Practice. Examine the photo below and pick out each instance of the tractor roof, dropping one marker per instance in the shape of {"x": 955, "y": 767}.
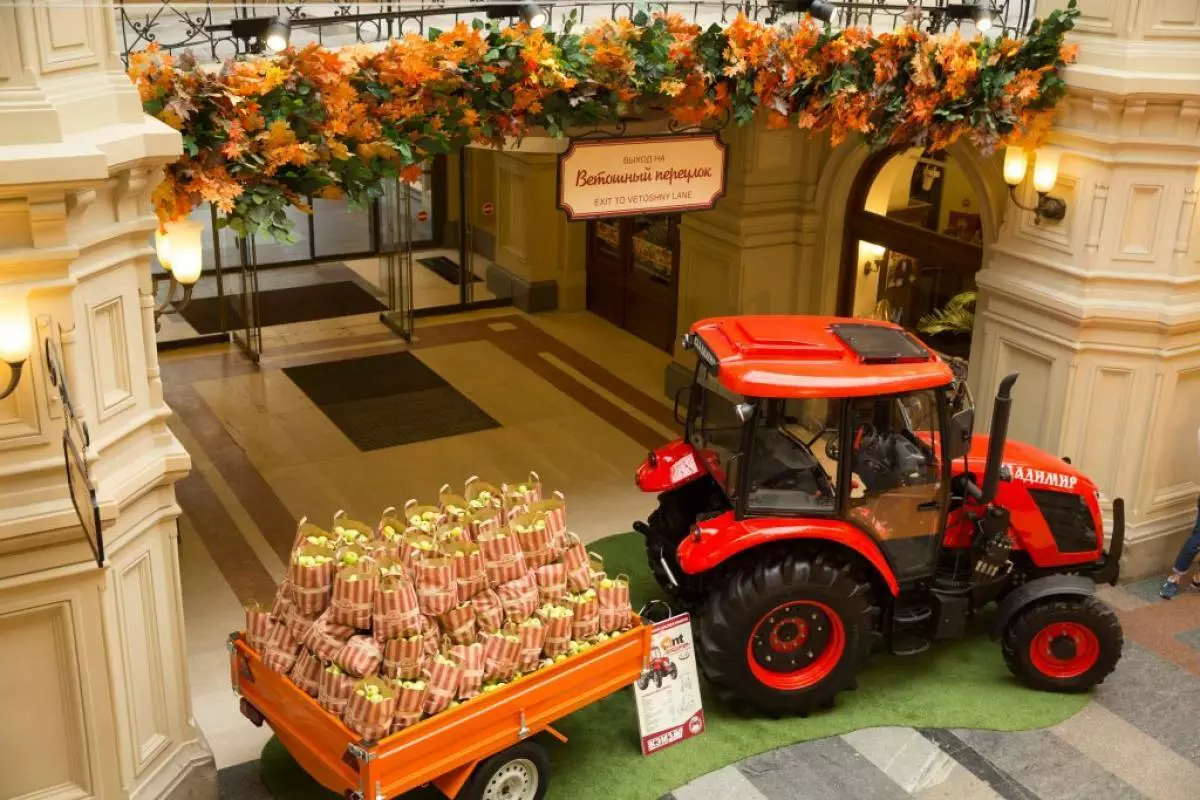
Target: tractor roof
{"x": 795, "y": 356}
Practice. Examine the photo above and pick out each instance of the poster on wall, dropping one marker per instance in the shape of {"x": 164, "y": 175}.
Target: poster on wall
{"x": 668, "y": 691}
{"x": 627, "y": 176}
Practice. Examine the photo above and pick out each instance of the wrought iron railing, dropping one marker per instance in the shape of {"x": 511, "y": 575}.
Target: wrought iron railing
{"x": 178, "y": 26}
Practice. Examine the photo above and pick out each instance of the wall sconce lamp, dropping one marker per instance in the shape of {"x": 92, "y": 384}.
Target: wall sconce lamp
{"x": 1045, "y": 177}
{"x": 178, "y": 246}
{"x": 16, "y": 336}
{"x": 870, "y": 255}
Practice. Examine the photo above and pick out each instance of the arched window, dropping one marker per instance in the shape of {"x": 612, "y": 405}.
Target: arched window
{"x": 914, "y": 242}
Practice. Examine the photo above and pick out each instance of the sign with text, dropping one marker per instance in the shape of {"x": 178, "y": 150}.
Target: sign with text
{"x": 668, "y": 691}
{"x": 641, "y": 175}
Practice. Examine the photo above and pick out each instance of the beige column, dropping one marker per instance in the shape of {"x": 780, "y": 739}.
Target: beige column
{"x": 753, "y": 253}
{"x": 95, "y": 696}
{"x": 1100, "y": 313}
{"x": 539, "y": 255}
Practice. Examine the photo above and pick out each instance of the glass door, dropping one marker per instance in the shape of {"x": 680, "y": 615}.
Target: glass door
{"x": 397, "y": 222}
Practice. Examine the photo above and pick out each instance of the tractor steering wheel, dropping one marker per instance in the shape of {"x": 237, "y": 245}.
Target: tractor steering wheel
{"x": 864, "y": 434}
{"x": 833, "y": 450}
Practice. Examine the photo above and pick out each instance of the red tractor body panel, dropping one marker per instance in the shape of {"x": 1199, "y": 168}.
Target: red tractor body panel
{"x": 668, "y": 467}
{"x": 798, "y": 357}
{"x": 720, "y": 538}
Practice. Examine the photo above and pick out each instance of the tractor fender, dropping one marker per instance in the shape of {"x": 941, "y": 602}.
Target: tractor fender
{"x": 716, "y": 540}
{"x": 1039, "y": 589}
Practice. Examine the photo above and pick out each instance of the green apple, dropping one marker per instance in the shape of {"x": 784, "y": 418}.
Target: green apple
{"x": 389, "y": 531}
{"x": 540, "y": 525}
{"x": 415, "y": 519}
{"x": 607, "y": 583}
{"x": 484, "y": 495}
{"x": 350, "y": 558}
{"x": 428, "y": 515}
{"x": 334, "y": 669}
{"x": 361, "y": 693}
{"x": 561, "y": 657}
{"x": 339, "y": 530}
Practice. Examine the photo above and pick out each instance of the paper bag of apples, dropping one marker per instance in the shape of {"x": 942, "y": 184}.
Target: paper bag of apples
{"x": 390, "y": 623}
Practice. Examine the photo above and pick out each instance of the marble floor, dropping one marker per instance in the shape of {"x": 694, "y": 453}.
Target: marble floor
{"x": 580, "y": 402}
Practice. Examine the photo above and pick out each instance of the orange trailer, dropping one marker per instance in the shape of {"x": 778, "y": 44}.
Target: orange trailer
{"x": 480, "y": 748}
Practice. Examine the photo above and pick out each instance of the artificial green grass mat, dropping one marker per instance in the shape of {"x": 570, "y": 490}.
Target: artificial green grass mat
{"x": 956, "y": 684}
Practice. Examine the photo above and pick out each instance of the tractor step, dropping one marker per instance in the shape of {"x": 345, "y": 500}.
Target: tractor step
{"x": 908, "y": 644}
{"x": 911, "y": 615}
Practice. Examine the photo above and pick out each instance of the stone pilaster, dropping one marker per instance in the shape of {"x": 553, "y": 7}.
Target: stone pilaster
{"x": 1100, "y": 313}
{"x": 95, "y": 700}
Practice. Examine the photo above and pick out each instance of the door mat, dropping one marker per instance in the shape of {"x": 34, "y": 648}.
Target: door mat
{"x": 957, "y": 684}
{"x": 388, "y": 400}
{"x": 445, "y": 269}
{"x": 285, "y": 306}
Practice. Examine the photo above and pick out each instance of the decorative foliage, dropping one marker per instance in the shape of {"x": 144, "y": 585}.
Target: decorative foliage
{"x": 956, "y": 317}
{"x": 263, "y": 134}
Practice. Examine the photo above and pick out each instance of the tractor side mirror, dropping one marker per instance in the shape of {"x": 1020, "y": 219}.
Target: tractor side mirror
{"x": 678, "y": 394}
{"x": 962, "y": 425}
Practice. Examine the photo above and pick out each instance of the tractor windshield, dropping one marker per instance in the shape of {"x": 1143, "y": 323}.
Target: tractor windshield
{"x": 713, "y": 426}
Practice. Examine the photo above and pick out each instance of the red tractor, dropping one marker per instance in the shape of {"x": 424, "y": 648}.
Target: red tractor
{"x": 658, "y": 670}
{"x": 829, "y": 494}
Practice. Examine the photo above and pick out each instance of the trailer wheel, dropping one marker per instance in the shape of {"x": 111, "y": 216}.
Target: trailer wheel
{"x": 1065, "y": 644}
{"x": 522, "y": 772}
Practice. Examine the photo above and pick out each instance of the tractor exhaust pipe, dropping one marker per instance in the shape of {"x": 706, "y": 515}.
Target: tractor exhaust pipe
{"x": 997, "y": 439}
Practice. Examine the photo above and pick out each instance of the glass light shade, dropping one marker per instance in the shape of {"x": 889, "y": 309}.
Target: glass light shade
{"x": 186, "y": 252}
{"x": 162, "y": 248}
{"x": 1016, "y": 162}
{"x": 16, "y": 329}
{"x": 984, "y": 24}
{"x": 1045, "y": 170}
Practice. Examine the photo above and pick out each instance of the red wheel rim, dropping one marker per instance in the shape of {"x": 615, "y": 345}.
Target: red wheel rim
{"x": 1064, "y": 650}
{"x": 796, "y": 645}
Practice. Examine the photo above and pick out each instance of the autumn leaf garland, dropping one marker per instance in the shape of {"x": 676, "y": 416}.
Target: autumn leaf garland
{"x": 264, "y": 134}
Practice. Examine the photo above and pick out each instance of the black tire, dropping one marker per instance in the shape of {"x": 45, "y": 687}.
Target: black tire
{"x": 643, "y": 681}
{"x": 525, "y": 756}
{"x": 658, "y": 680}
{"x": 667, "y": 528}
{"x": 1067, "y": 671}
{"x": 673, "y": 672}
{"x": 808, "y": 578}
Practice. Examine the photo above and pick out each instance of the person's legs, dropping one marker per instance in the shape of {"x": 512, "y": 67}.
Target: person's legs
{"x": 1183, "y": 564}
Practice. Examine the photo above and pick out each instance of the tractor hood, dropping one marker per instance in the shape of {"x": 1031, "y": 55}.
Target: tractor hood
{"x": 1032, "y": 467}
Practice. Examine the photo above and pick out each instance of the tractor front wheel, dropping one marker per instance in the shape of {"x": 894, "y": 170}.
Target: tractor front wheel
{"x": 1065, "y": 644}
{"x": 785, "y": 634}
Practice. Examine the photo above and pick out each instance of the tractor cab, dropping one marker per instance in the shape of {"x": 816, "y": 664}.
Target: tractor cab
{"x": 829, "y": 492}
{"x": 773, "y": 438}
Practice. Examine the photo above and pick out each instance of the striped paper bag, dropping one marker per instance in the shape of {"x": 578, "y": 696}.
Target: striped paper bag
{"x": 558, "y": 621}
{"x": 425, "y": 519}
{"x": 529, "y": 490}
{"x": 415, "y": 546}
{"x": 535, "y": 539}
{"x": 502, "y": 557}
{"x": 334, "y": 689}
{"x": 326, "y": 637}
{"x": 360, "y": 656}
{"x": 489, "y": 611}
{"x": 431, "y": 636}
{"x": 353, "y": 596}
{"x": 397, "y": 611}
{"x": 351, "y": 531}
{"x": 280, "y": 650}
{"x": 554, "y": 509}
{"x": 436, "y": 591}
{"x": 596, "y": 567}
{"x": 459, "y": 624}
{"x": 404, "y": 658}
{"x": 469, "y": 576}
{"x": 482, "y": 495}
{"x": 298, "y": 625}
{"x": 445, "y": 674}
{"x": 470, "y": 658}
{"x": 519, "y": 597}
{"x": 551, "y": 582}
{"x": 586, "y": 609}
{"x": 410, "y": 703}
{"x": 533, "y": 638}
{"x": 307, "y": 673}
{"x": 612, "y": 595}
{"x": 451, "y": 533}
{"x": 370, "y": 708}
{"x": 500, "y": 653}
{"x": 391, "y": 527}
{"x": 309, "y": 534}
{"x": 258, "y": 626}
{"x": 310, "y": 576}
{"x": 454, "y": 506}
{"x": 575, "y": 559}
{"x": 283, "y": 599}
{"x": 483, "y": 521}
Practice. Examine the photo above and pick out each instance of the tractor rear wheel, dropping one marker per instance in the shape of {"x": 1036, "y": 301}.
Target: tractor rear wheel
{"x": 1064, "y": 644}
{"x": 786, "y": 633}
